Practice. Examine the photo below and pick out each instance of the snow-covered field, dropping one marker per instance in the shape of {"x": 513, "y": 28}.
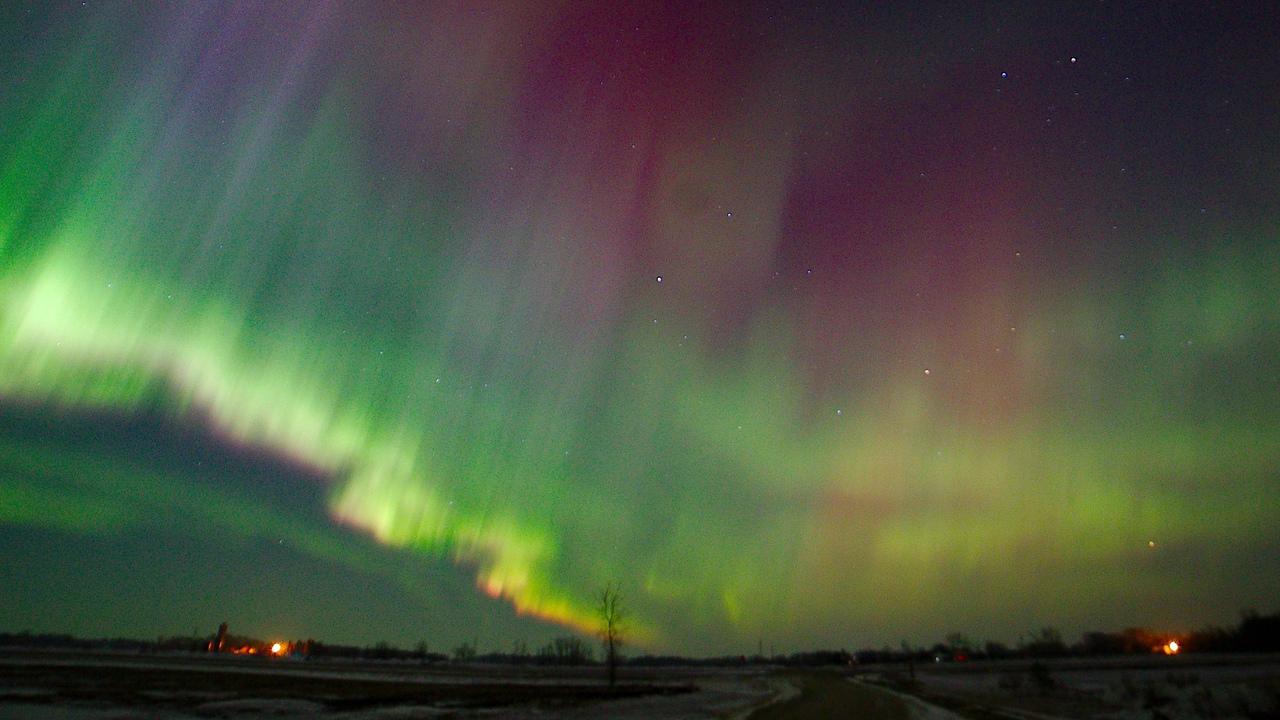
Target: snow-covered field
{"x": 66, "y": 686}
{"x": 1184, "y": 688}
{"x": 105, "y": 687}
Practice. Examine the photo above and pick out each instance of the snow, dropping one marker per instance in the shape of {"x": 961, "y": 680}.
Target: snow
{"x": 1124, "y": 689}
{"x": 781, "y": 691}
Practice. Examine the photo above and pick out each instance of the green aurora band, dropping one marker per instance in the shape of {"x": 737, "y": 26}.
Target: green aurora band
{"x": 471, "y": 349}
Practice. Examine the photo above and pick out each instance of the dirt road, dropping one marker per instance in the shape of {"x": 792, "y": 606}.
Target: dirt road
{"x": 832, "y": 695}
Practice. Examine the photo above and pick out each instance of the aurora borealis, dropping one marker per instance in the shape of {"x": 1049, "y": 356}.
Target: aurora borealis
{"x": 829, "y": 327}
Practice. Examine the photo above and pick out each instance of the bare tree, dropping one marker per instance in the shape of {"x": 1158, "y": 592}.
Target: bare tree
{"x": 611, "y": 615}
{"x": 466, "y": 652}
{"x": 565, "y": 650}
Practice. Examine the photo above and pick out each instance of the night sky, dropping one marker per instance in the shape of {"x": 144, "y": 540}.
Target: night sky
{"x": 821, "y": 327}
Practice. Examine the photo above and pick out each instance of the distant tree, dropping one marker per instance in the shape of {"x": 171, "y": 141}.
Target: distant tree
{"x": 996, "y": 650}
{"x": 818, "y": 658}
{"x": 611, "y": 617}
{"x": 868, "y": 656}
{"x": 565, "y": 650}
{"x": 1211, "y": 639}
{"x": 960, "y": 643}
{"x": 1258, "y": 633}
{"x": 1137, "y": 640}
{"x": 383, "y": 650}
{"x": 520, "y": 649}
{"x": 1101, "y": 643}
{"x": 465, "y": 652}
{"x": 1046, "y": 642}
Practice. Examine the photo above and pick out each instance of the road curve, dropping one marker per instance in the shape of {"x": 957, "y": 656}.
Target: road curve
{"x": 831, "y": 696}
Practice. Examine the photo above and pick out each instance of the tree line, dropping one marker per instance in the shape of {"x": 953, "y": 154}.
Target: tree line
{"x": 1255, "y": 633}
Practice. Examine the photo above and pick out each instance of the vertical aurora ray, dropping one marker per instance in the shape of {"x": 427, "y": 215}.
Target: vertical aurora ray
{"x": 420, "y": 253}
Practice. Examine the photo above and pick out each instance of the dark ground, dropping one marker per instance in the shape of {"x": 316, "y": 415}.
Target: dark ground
{"x": 157, "y": 684}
